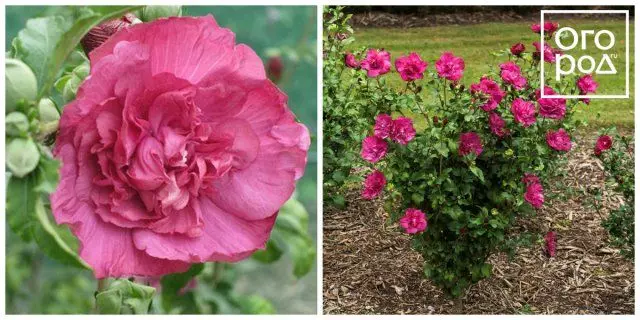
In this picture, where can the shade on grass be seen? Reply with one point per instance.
(475, 42)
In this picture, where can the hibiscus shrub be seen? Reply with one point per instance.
(482, 161)
(617, 156)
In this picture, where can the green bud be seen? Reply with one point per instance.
(22, 156)
(16, 123)
(48, 111)
(508, 153)
(81, 71)
(150, 13)
(71, 88)
(20, 83)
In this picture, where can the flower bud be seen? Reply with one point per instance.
(99, 34)
(517, 49)
(70, 88)
(274, 68)
(22, 156)
(150, 13)
(445, 121)
(47, 111)
(16, 123)
(342, 36)
(435, 119)
(20, 83)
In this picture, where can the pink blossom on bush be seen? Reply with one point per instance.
(351, 61)
(549, 27)
(377, 62)
(469, 142)
(497, 125)
(548, 53)
(174, 159)
(550, 241)
(553, 108)
(402, 131)
(559, 140)
(530, 178)
(517, 49)
(373, 185)
(524, 112)
(492, 90)
(534, 195)
(586, 84)
(384, 125)
(414, 221)
(604, 143)
(450, 67)
(511, 74)
(411, 67)
(373, 149)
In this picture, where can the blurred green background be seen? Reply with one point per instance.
(37, 284)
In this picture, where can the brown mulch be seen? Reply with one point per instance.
(376, 19)
(370, 268)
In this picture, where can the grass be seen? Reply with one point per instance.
(475, 42)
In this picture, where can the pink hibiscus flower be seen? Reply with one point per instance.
(492, 90)
(530, 178)
(559, 140)
(384, 124)
(373, 149)
(534, 195)
(414, 221)
(497, 125)
(552, 108)
(549, 28)
(469, 142)
(450, 67)
(411, 67)
(548, 53)
(402, 131)
(524, 112)
(604, 143)
(177, 150)
(517, 49)
(373, 185)
(511, 74)
(586, 84)
(377, 62)
(350, 61)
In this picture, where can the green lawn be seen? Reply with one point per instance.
(475, 42)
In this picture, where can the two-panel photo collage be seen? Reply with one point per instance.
(319, 159)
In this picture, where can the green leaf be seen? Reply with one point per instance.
(51, 240)
(21, 203)
(477, 172)
(291, 235)
(171, 285)
(71, 38)
(442, 149)
(36, 43)
(125, 297)
(254, 304)
(271, 254)
(48, 175)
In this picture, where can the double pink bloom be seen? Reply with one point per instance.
(414, 221)
(524, 112)
(534, 192)
(559, 140)
(377, 62)
(411, 67)
(604, 143)
(492, 90)
(450, 67)
(552, 108)
(373, 185)
(511, 74)
(469, 142)
(177, 150)
(400, 130)
(547, 52)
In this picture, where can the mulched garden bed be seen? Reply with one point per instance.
(370, 268)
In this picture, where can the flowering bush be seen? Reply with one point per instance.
(482, 161)
(155, 164)
(617, 155)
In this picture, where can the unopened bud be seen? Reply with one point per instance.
(20, 83)
(99, 34)
(151, 13)
(47, 111)
(22, 156)
(16, 123)
(274, 68)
